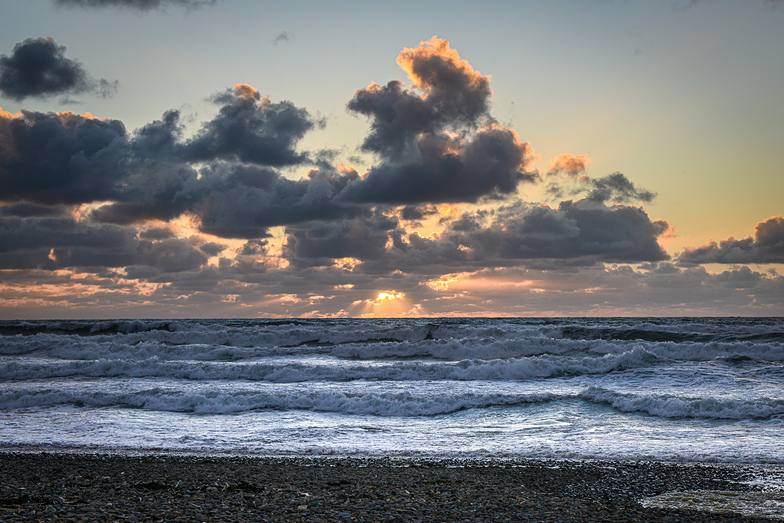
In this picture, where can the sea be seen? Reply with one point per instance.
(678, 389)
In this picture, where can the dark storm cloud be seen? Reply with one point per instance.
(251, 129)
(584, 228)
(212, 248)
(152, 174)
(575, 233)
(27, 210)
(141, 5)
(172, 255)
(244, 201)
(318, 243)
(232, 200)
(51, 158)
(449, 169)
(38, 68)
(454, 96)
(414, 213)
(157, 183)
(437, 142)
(767, 246)
(51, 243)
(586, 231)
(62, 242)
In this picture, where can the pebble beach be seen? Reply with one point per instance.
(68, 486)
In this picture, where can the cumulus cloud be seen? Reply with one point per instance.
(243, 202)
(141, 5)
(225, 174)
(437, 141)
(319, 243)
(38, 68)
(448, 94)
(490, 162)
(252, 129)
(584, 230)
(51, 158)
(62, 242)
(767, 246)
(569, 164)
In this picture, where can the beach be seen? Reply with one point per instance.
(83, 486)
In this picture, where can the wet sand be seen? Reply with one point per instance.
(40, 486)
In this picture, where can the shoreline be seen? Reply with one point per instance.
(88, 484)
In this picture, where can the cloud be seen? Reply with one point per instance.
(453, 96)
(615, 187)
(490, 162)
(249, 128)
(437, 141)
(244, 201)
(568, 164)
(319, 243)
(618, 188)
(27, 210)
(767, 246)
(225, 174)
(576, 233)
(141, 5)
(62, 242)
(455, 92)
(51, 158)
(38, 68)
(283, 36)
(584, 230)
(163, 209)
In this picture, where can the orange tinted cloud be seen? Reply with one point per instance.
(434, 63)
(569, 164)
(246, 91)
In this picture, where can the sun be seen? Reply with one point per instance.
(384, 297)
(386, 303)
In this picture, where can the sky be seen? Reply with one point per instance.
(236, 158)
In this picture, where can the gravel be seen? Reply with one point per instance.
(41, 486)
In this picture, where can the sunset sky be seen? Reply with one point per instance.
(236, 158)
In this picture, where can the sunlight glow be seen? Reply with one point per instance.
(386, 304)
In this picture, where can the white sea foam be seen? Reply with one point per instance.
(325, 370)
(672, 406)
(219, 401)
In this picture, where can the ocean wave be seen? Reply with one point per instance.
(376, 403)
(620, 329)
(672, 406)
(289, 371)
(372, 345)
